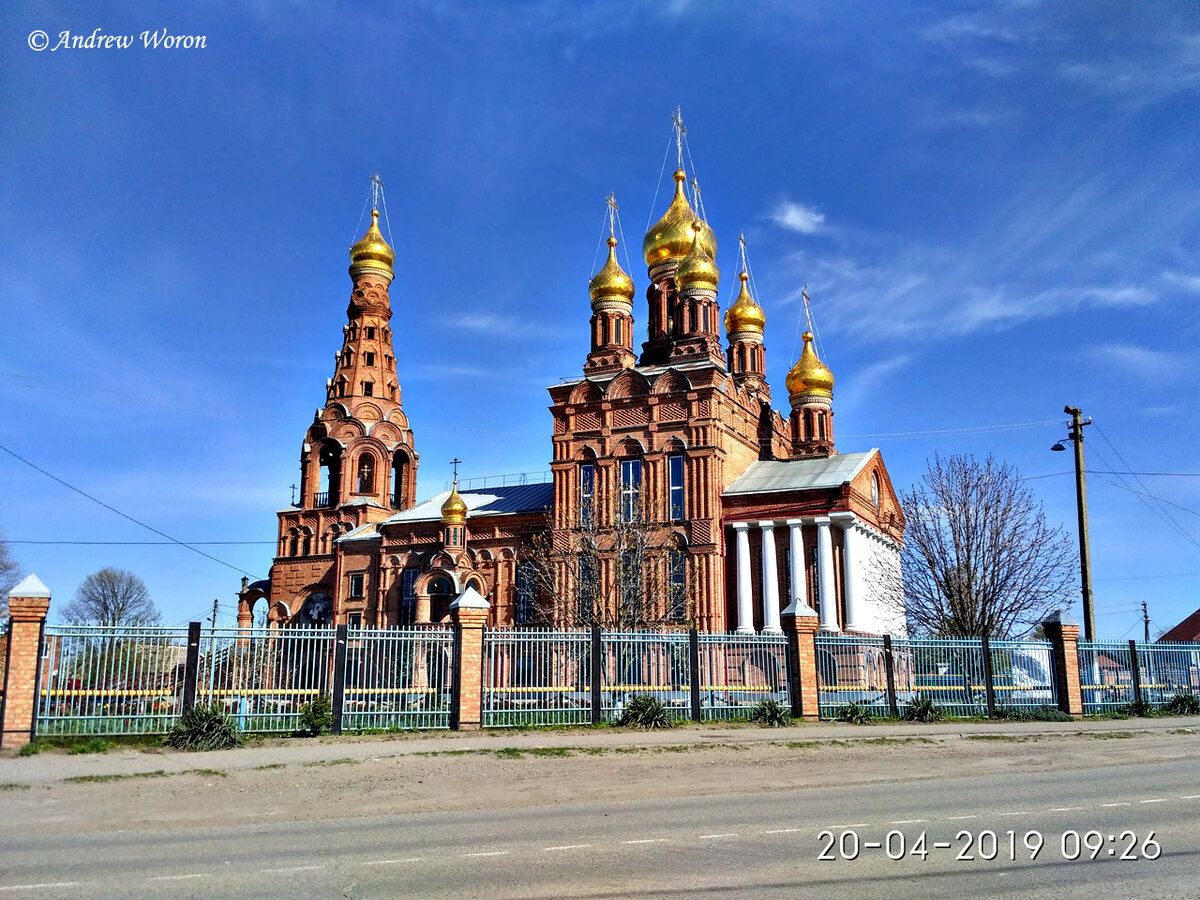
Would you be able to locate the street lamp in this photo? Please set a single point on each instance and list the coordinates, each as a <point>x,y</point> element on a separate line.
<point>1085,558</point>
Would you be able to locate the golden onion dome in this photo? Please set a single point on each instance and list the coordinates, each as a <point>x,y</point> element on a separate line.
<point>611,280</point>
<point>454,510</point>
<point>671,236</point>
<point>809,375</point>
<point>697,268</point>
<point>372,251</point>
<point>744,314</point>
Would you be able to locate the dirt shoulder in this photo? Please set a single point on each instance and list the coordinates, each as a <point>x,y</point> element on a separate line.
<point>291,779</point>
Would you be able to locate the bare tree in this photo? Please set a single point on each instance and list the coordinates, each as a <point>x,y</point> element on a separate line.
<point>616,568</point>
<point>112,597</point>
<point>10,574</point>
<point>979,559</point>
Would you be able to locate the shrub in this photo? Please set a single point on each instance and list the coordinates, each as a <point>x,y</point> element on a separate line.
<point>30,749</point>
<point>205,728</point>
<point>316,717</point>
<point>1183,705</point>
<point>1139,708</point>
<point>855,714</point>
<point>768,712</point>
<point>1032,714</point>
<point>923,709</point>
<point>92,745</point>
<point>645,711</point>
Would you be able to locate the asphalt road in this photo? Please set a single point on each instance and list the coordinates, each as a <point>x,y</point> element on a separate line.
<point>723,846</point>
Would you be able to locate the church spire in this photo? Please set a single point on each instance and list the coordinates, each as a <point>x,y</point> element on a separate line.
<point>611,290</point>
<point>810,392</point>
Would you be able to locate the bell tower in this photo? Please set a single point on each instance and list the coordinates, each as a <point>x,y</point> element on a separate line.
<point>358,462</point>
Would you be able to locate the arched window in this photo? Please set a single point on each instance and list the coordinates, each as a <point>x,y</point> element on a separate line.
<point>366,474</point>
<point>587,494</point>
<point>408,596</point>
<point>875,490</point>
<point>307,544</point>
<point>294,545</point>
<point>821,425</point>
<point>441,592</point>
<point>631,489</point>
<point>330,461</point>
<point>808,425</point>
<point>399,480</point>
<point>675,487</point>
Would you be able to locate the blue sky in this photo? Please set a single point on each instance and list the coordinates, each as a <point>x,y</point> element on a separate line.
<point>996,208</point>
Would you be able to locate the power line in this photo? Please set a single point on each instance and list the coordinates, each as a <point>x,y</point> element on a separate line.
<point>189,544</point>
<point>1158,507</point>
<point>110,508</point>
<point>969,429</point>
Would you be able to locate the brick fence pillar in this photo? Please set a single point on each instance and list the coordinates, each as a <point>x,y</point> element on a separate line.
<point>28,604</point>
<point>1063,632</point>
<point>800,623</point>
<point>470,614</point>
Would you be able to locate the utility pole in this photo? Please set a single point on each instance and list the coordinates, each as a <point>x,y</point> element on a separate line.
<point>213,631</point>
<point>1146,620</point>
<point>1085,556</point>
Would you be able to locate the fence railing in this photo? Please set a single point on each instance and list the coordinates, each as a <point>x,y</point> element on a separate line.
<point>398,678</point>
<point>1110,679</point>
<point>97,680</point>
<point>106,680</point>
<point>641,662</point>
<point>536,677</point>
<point>963,676</point>
<point>738,671</point>
<point>94,680</point>
<point>263,676</point>
<point>533,677</point>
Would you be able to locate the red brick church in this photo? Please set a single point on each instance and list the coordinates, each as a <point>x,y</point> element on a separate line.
<point>753,509</point>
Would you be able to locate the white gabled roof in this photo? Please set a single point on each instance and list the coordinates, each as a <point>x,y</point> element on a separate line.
<point>774,475</point>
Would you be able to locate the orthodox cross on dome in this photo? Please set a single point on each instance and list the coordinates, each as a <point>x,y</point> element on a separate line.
<point>611,200</point>
<point>742,245</point>
<point>680,131</point>
<point>376,190</point>
<point>807,311</point>
<point>455,462</point>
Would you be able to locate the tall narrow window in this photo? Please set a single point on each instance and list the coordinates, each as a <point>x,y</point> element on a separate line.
<point>368,388</point>
<point>356,585</point>
<point>677,585</point>
<point>370,332</point>
<point>821,425</point>
<point>587,494</point>
<point>369,359</point>
<point>630,574</point>
<point>525,592</point>
<point>585,591</point>
<point>675,486</point>
<point>408,596</point>
<point>631,488</point>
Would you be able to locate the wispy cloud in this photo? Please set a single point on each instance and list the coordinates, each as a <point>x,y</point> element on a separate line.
<point>1190,283</point>
<point>1151,74</point>
<point>797,217</point>
<point>1140,362</point>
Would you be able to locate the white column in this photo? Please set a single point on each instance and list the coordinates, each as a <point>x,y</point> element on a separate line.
<point>796,579</point>
<point>770,579</point>
<point>744,600</point>
<point>825,575</point>
<point>855,621</point>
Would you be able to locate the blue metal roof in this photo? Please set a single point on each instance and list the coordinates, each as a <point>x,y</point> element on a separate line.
<point>490,501</point>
